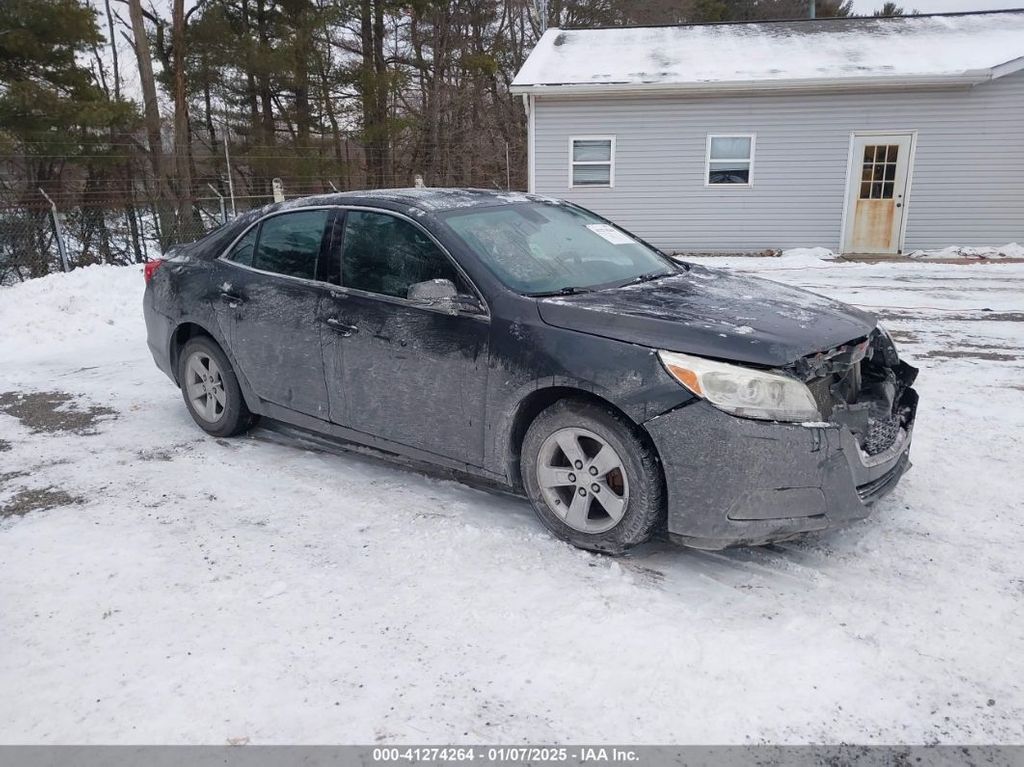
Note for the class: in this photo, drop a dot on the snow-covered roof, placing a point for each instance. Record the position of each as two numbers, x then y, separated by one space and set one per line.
967 48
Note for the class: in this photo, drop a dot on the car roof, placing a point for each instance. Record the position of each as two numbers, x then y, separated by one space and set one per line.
420 199
413 201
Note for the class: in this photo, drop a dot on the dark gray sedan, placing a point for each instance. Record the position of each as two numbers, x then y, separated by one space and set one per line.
534 344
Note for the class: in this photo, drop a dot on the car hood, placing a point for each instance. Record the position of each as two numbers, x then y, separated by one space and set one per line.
713 313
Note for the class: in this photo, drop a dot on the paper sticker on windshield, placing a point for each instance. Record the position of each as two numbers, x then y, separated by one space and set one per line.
610 233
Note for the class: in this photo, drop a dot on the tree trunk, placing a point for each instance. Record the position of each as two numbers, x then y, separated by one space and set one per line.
182 142
374 88
164 204
381 83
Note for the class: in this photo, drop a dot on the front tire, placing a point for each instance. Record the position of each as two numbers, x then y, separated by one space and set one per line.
210 389
591 479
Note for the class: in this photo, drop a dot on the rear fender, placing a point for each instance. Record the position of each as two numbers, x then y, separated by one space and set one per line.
190 328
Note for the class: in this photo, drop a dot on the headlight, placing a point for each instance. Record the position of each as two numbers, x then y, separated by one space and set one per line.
743 391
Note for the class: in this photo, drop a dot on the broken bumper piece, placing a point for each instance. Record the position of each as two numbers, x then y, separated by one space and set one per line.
733 481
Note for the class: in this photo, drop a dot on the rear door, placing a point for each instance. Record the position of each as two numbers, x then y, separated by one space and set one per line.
269 304
404 372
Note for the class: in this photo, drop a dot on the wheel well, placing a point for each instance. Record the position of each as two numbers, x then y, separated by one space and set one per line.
536 402
181 336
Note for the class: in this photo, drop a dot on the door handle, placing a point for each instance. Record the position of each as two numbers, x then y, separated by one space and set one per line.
232 299
342 329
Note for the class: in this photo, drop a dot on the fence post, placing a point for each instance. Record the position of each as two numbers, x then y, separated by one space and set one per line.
57 233
227 161
278 186
223 208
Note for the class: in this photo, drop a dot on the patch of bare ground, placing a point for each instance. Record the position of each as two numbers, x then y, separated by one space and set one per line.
976 354
25 501
904 336
4 445
53 411
981 316
6 477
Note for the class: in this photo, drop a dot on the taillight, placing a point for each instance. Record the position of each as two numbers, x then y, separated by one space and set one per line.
150 268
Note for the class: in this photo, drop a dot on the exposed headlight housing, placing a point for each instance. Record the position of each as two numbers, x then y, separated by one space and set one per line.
743 391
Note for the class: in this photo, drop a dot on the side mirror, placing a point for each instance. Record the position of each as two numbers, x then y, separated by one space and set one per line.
432 291
443 295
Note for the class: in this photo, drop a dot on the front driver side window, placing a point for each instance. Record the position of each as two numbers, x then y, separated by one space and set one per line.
384 254
290 243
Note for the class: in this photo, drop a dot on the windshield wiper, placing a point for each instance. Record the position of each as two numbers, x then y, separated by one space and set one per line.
569 290
649 277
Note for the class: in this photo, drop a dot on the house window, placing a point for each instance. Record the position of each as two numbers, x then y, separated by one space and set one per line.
730 160
592 161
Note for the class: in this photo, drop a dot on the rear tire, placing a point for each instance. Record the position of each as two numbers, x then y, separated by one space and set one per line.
591 479
210 389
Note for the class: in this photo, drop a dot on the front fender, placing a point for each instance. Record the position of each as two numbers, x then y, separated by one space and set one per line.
535 360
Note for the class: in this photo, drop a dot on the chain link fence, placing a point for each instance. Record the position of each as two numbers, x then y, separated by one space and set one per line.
37 237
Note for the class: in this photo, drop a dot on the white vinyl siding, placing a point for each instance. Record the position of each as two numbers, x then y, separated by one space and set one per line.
592 161
968 173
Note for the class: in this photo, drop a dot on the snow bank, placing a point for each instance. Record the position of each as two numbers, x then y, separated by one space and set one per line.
810 255
1011 250
92 304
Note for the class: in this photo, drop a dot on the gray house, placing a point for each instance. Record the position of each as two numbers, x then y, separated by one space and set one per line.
862 135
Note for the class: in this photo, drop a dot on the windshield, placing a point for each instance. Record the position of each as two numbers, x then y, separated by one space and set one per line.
537 247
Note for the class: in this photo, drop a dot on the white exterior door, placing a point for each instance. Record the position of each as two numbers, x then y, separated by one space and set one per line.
876 198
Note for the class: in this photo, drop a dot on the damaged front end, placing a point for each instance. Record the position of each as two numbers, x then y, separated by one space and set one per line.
864 387
734 481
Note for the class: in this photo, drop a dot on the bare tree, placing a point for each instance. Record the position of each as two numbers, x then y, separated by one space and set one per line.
151 113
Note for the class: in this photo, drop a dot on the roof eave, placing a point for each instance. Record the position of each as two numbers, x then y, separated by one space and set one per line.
963 79
1008 68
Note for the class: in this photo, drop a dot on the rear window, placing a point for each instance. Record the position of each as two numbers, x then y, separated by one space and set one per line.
289 244
242 251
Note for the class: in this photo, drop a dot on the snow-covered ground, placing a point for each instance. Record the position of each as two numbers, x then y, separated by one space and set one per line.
157 585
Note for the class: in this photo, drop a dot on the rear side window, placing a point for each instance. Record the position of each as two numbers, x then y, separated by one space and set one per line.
386 255
244 248
289 244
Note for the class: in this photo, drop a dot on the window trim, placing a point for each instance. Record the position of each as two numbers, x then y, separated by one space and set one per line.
610 162
707 160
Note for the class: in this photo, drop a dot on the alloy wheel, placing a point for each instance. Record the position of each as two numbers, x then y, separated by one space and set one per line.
205 386
583 480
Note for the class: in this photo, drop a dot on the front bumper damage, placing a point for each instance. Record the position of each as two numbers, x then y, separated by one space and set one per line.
733 481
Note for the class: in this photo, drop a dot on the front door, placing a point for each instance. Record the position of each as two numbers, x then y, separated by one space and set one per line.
876 202
268 305
405 372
